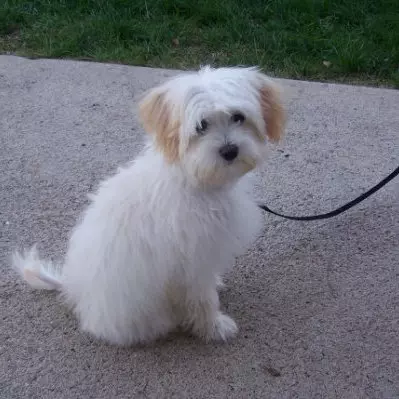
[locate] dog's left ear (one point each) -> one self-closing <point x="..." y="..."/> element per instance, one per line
<point x="272" y="109"/>
<point x="159" y="118"/>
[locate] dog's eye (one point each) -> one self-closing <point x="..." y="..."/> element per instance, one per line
<point x="238" y="118"/>
<point x="202" y="126"/>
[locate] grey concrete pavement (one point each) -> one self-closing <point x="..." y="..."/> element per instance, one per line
<point x="317" y="303"/>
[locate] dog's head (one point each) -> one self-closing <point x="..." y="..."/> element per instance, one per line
<point x="215" y="123"/>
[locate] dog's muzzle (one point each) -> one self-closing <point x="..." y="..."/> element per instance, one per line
<point x="229" y="152"/>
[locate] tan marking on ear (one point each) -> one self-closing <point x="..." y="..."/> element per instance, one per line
<point x="273" y="112"/>
<point x="157" y="118"/>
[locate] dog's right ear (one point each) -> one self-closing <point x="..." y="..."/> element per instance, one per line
<point x="272" y="110"/>
<point x="159" y="118"/>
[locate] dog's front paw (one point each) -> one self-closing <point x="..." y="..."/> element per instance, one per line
<point x="222" y="329"/>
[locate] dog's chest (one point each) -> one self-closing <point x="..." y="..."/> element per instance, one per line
<point x="210" y="224"/>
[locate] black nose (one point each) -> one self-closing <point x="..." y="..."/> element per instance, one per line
<point x="228" y="152"/>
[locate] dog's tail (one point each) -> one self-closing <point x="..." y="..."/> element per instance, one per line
<point x="39" y="274"/>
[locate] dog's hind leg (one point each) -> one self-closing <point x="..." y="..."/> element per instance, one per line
<point x="203" y="316"/>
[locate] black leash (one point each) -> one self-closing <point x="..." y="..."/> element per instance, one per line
<point x="341" y="209"/>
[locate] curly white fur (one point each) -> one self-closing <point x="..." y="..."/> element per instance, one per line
<point x="150" y="251"/>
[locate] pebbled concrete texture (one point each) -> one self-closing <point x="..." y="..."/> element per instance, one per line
<point x="317" y="303"/>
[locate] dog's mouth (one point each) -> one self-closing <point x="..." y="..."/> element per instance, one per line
<point x="241" y="159"/>
<point x="249" y="162"/>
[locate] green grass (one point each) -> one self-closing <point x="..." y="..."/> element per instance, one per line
<point x="341" y="40"/>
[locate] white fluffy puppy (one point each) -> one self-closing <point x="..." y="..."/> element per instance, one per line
<point x="148" y="255"/>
